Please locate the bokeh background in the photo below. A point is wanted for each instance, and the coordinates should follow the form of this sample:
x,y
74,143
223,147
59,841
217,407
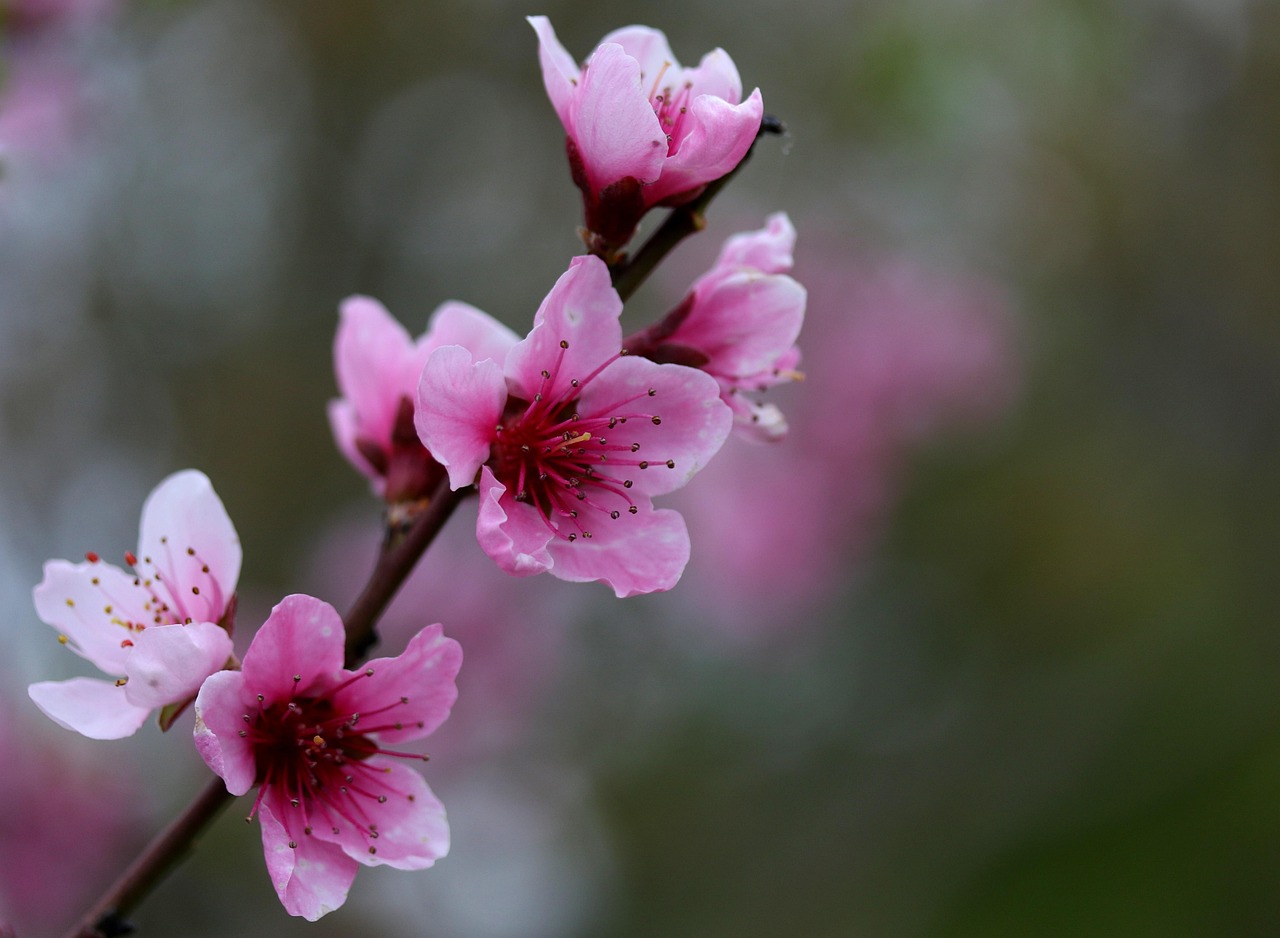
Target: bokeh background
x,y
988,647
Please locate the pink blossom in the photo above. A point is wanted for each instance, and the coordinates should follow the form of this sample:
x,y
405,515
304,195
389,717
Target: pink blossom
x,y
642,130
310,734
571,440
378,366
739,323
161,629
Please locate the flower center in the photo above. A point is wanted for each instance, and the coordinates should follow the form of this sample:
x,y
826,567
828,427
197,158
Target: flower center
x,y
671,104
313,761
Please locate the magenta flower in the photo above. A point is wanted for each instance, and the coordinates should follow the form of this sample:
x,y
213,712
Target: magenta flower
x,y
378,366
739,323
642,130
572,439
161,629
310,734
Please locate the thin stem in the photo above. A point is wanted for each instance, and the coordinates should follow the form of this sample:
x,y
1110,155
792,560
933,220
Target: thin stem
x,y
683,221
395,562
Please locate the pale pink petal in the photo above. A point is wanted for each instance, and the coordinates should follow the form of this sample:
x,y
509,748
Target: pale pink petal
x,y
762,423
456,323
312,877
716,75
459,405
185,532
560,73
513,534
368,348
693,421
718,137
429,665
649,47
220,710
582,311
744,322
345,427
91,707
413,831
635,554
613,124
168,663
303,638
768,250
69,600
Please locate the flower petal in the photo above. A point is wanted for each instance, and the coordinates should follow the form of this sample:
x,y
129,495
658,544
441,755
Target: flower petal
x,y
716,75
312,877
220,710
513,534
346,429
303,639
459,403
413,831
719,136
94,616
743,322
560,73
581,311
612,122
192,544
91,707
642,553
768,250
429,665
168,663
456,323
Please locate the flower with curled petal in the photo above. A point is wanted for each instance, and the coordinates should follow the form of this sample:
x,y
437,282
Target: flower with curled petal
x,y
161,630
641,130
739,323
572,438
313,736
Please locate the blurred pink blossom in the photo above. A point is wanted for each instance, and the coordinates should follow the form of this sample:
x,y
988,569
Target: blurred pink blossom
x,y
565,481
162,629
312,735
642,130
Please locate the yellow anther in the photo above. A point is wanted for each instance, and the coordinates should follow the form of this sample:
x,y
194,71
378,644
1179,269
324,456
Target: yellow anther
x,y
574,440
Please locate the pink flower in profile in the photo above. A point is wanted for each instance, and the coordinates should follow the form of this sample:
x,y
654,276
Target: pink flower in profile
x,y
378,366
310,735
572,439
160,630
642,130
739,323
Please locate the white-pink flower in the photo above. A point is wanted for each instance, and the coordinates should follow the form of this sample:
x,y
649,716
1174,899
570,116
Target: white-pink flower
x,y
739,323
160,630
643,131
378,366
312,736
572,439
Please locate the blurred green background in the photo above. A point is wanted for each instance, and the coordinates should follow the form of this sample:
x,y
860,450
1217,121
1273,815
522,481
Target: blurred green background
x,y
1039,699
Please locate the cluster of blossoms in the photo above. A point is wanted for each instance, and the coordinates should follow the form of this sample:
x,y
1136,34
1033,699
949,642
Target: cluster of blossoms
x,y
565,435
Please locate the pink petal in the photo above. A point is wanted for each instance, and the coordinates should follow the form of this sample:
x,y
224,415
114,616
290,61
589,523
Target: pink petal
x,y
168,663
311,878
640,553
185,529
345,427
220,709
694,421
459,405
560,73
649,47
424,672
768,250
612,122
69,600
512,533
90,707
367,352
716,75
718,137
581,310
455,323
744,322
303,638
761,423
413,831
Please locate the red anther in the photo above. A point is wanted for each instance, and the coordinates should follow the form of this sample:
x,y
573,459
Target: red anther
x,y
91,556
130,558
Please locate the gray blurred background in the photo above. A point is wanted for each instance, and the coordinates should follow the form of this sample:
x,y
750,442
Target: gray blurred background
x,y
986,648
